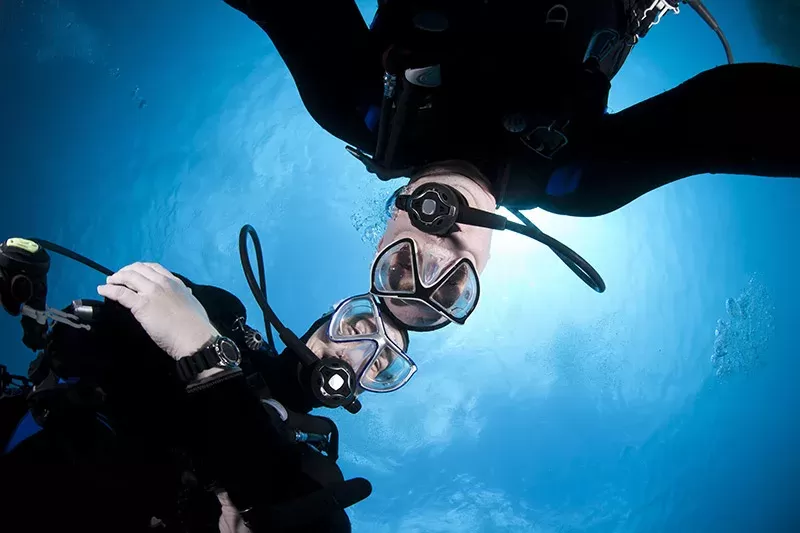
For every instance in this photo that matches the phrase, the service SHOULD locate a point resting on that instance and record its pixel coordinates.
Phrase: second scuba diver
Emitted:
(504, 103)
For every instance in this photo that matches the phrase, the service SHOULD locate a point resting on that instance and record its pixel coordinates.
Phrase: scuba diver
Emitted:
(483, 104)
(160, 407)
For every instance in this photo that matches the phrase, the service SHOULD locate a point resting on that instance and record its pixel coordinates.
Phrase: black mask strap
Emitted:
(436, 209)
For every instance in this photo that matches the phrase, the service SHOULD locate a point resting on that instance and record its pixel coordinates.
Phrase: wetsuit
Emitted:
(508, 73)
(145, 451)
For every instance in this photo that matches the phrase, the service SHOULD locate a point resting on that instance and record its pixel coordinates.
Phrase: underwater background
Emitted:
(153, 130)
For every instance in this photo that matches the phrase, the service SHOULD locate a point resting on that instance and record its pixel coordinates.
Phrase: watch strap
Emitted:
(204, 359)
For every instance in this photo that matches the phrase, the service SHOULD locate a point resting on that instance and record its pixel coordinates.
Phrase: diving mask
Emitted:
(421, 291)
(373, 346)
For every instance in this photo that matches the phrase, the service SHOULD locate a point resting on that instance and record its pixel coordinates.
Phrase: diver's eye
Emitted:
(357, 326)
(348, 329)
(452, 289)
(400, 270)
(381, 364)
(404, 259)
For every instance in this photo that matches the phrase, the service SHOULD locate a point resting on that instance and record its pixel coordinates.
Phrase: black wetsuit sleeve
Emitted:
(236, 442)
(328, 49)
(736, 119)
(237, 445)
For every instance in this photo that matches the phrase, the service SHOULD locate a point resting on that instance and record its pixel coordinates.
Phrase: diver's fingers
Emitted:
(163, 271)
(146, 271)
(122, 295)
(131, 277)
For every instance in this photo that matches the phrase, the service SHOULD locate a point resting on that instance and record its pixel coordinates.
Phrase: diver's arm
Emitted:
(327, 47)
(227, 429)
(733, 119)
(235, 442)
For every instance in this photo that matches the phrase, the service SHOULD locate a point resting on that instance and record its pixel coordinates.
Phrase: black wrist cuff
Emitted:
(203, 384)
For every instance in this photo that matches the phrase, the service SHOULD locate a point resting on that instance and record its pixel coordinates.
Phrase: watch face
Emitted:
(229, 352)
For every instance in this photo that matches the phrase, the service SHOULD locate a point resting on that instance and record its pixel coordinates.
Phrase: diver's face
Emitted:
(353, 352)
(436, 254)
(425, 291)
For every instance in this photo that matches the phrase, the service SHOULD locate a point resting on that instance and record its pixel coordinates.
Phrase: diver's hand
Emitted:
(163, 305)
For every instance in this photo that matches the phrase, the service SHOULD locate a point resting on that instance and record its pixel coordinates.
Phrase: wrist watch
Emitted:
(219, 352)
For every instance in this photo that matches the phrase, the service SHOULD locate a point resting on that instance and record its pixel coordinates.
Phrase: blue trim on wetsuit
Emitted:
(103, 420)
(374, 19)
(564, 180)
(372, 117)
(26, 429)
(373, 114)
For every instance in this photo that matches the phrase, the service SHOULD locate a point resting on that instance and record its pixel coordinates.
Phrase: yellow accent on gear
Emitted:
(23, 244)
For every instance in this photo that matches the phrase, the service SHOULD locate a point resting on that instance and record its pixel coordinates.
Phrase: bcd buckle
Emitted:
(547, 140)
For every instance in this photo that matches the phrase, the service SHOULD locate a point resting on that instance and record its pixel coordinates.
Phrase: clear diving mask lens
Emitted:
(370, 344)
(422, 292)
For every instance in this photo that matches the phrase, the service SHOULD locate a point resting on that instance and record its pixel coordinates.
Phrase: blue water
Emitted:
(154, 130)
